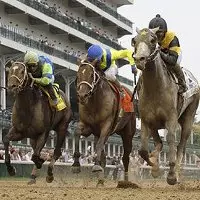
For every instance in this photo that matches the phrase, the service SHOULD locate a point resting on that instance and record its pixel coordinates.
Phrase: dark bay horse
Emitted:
(98, 110)
(32, 117)
(159, 104)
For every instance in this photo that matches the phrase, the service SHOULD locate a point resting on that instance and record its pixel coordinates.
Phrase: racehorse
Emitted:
(98, 112)
(160, 106)
(34, 118)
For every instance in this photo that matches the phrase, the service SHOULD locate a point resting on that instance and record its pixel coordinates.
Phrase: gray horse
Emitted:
(159, 105)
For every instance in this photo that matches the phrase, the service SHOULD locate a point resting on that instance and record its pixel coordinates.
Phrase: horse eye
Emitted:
(153, 41)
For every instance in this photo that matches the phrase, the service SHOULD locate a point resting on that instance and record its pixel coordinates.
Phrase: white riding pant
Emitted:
(111, 72)
(179, 58)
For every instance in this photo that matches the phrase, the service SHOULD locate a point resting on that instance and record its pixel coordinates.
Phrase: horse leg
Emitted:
(100, 147)
(35, 170)
(81, 129)
(127, 137)
(39, 144)
(61, 134)
(186, 122)
(12, 135)
(155, 171)
(144, 143)
(171, 127)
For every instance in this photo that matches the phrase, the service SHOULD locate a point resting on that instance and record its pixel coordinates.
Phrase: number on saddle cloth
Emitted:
(44, 59)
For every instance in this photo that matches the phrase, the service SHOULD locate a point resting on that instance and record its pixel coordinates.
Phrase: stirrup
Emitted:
(122, 93)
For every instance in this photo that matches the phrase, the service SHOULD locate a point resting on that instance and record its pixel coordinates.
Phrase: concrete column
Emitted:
(52, 142)
(108, 149)
(119, 150)
(86, 146)
(68, 81)
(190, 159)
(66, 143)
(192, 137)
(165, 157)
(92, 147)
(80, 145)
(114, 150)
(28, 141)
(73, 144)
(2, 90)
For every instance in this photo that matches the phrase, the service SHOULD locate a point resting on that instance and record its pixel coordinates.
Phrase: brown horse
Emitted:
(33, 117)
(98, 111)
(160, 106)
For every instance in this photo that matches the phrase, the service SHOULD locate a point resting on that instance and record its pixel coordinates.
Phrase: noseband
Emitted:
(96, 79)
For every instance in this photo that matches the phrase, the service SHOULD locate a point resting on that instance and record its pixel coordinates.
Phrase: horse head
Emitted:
(88, 76)
(17, 77)
(145, 44)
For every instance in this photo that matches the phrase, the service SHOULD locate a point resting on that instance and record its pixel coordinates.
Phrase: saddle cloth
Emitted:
(124, 102)
(61, 103)
(193, 88)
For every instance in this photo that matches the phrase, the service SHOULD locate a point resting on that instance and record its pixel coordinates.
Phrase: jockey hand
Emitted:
(134, 69)
(31, 76)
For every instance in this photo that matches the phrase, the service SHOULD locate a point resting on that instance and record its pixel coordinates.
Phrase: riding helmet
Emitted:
(95, 52)
(158, 21)
(31, 58)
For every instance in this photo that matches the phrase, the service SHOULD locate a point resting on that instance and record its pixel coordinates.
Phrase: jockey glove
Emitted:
(170, 58)
(134, 69)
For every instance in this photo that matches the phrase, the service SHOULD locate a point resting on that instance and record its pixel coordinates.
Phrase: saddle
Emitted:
(61, 102)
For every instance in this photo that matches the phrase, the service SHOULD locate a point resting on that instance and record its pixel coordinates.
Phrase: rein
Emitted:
(96, 79)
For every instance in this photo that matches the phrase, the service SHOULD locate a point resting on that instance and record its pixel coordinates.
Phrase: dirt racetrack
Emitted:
(78, 189)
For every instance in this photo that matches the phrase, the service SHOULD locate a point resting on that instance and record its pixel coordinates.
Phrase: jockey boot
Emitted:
(181, 78)
(52, 94)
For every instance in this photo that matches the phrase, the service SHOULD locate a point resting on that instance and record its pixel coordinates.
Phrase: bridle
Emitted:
(92, 85)
(22, 80)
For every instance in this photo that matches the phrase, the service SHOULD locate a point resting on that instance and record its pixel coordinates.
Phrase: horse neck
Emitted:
(25, 100)
(155, 77)
(97, 99)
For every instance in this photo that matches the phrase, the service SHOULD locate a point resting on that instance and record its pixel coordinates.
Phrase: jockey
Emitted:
(41, 71)
(107, 58)
(170, 49)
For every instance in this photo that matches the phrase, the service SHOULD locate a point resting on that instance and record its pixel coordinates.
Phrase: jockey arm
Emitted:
(174, 50)
(123, 54)
(47, 75)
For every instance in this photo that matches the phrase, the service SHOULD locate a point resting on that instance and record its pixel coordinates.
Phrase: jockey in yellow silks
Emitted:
(170, 50)
(107, 58)
(42, 70)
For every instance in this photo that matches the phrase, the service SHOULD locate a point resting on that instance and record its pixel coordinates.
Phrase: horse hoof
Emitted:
(11, 171)
(31, 182)
(171, 180)
(155, 172)
(49, 179)
(100, 183)
(97, 168)
(76, 169)
(127, 184)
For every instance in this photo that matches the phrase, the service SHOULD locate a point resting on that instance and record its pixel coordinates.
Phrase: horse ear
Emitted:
(137, 30)
(94, 62)
(154, 30)
(8, 65)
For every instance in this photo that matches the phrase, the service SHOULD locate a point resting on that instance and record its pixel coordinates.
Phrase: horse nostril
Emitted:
(142, 59)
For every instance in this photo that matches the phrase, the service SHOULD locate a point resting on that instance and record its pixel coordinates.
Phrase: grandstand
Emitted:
(62, 30)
